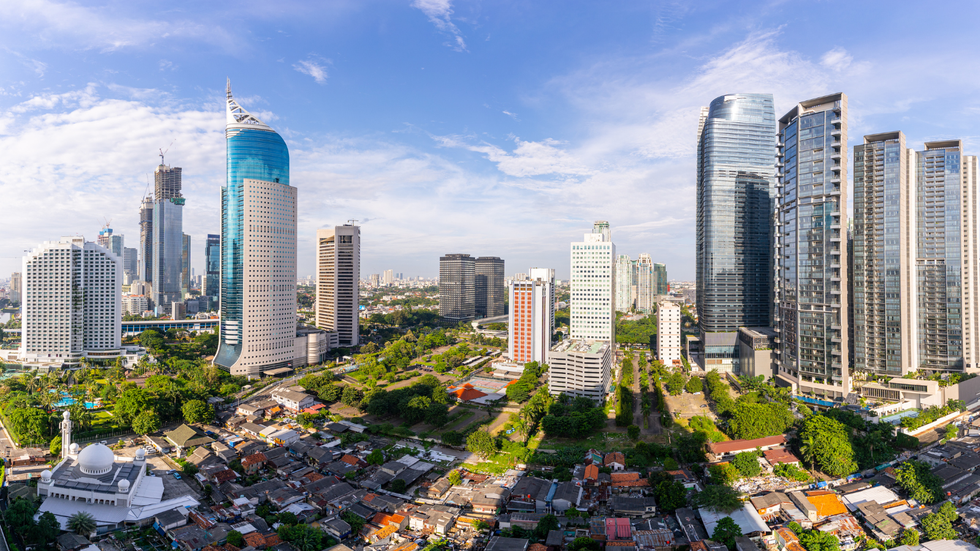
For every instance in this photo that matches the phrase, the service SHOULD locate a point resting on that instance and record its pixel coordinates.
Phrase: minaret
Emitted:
(65, 435)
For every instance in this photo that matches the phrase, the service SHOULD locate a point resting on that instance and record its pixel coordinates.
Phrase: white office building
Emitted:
(72, 303)
(668, 332)
(624, 283)
(580, 368)
(338, 270)
(135, 304)
(389, 277)
(532, 321)
(593, 286)
(646, 284)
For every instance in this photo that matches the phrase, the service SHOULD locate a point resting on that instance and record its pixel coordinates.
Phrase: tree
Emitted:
(481, 443)
(754, 420)
(726, 531)
(82, 523)
(909, 537)
(481, 526)
(584, 543)
(723, 473)
(828, 445)
(675, 384)
(719, 496)
(747, 464)
(452, 438)
(376, 457)
(197, 411)
(546, 524)
(398, 486)
(356, 522)
(55, 447)
(938, 527)
(949, 511)
(302, 536)
(455, 478)
(147, 422)
(817, 540)
(694, 384)
(236, 539)
(917, 479)
(952, 431)
(47, 529)
(670, 495)
(633, 432)
(131, 403)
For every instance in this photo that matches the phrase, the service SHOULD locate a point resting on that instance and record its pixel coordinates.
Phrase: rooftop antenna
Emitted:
(162, 152)
(352, 222)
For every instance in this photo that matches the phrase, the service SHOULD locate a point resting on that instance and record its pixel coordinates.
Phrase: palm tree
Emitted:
(808, 449)
(81, 523)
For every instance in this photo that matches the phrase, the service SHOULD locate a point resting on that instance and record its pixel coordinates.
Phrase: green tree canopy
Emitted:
(917, 479)
(754, 420)
(726, 531)
(694, 384)
(82, 523)
(676, 382)
(146, 422)
(825, 442)
(747, 464)
(719, 496)
(197, 411)
(938, 527)
(481, 443)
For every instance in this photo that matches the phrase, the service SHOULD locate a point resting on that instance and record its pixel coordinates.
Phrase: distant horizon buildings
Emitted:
(258, 249)
(338, 269)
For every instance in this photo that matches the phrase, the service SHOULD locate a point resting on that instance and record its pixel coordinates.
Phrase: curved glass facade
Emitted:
(735, 193)
(252, 153)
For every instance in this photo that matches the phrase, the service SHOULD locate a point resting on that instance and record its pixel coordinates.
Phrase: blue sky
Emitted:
(493, 128)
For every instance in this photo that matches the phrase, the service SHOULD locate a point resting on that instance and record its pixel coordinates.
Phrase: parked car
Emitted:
(177, 475)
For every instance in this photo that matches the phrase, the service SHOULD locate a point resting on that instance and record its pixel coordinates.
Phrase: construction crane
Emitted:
(164, 152)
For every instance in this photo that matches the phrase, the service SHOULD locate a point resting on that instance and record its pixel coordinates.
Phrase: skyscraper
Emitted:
(258, 248)
(946, 258)
(338, 271)
(593, 286)
(811, 224)
(736, 175)
(15, 287)
(185, 266)
(105, 237)
(168, 246)
(883, 268)
(645, 284)
(531, 322)
(146, 240)
(490, 283)
(660, 272)
(624, 283)
(389, 277)
(668, 332)
(457, 286)
(130, 264)
(212, 267)
(72, 303)
(116, 245)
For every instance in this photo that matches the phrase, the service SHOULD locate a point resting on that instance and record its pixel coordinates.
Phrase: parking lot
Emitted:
(160, 468)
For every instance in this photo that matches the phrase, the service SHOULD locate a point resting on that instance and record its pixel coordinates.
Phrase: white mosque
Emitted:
(115, 490)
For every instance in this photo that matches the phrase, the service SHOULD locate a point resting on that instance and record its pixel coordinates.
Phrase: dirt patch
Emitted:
(688, 405)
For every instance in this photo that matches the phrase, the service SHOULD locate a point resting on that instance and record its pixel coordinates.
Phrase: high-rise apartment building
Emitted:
(811, 276)
(389, 277)
(736, 172)
(375, 280)
(72, 303)
(660, 273)
(145, 272)
(457, 286)
(625, 298)
(593, 286)
(645, 284)
(946, 258)
(668, 332)
(491, 287)
(185, 266)
(531, 316)
(338, 270)
(16, 287)
(212, 270)
(883, 245)
(258, 249)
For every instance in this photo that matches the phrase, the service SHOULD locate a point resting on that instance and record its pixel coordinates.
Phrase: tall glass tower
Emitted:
(212, 266)
(811, 319)
(735, 191)
(258, 248)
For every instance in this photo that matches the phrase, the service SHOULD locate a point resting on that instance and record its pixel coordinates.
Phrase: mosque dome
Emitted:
(73, 449)
(96, 459)
(140, 454)
(124, 486)
(46, 475)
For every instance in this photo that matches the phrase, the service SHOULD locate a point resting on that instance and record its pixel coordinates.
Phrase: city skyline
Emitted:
(590, 151)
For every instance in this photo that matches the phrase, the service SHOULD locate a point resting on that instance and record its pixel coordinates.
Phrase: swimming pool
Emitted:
(66, 400)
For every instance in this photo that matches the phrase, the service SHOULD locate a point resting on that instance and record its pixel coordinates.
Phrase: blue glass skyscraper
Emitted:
(258, 248)
(735, 190)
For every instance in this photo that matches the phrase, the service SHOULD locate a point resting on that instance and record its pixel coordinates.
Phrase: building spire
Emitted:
(236, 115)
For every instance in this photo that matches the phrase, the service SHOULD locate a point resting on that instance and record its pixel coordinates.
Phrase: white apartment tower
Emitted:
(593, 286)
(338, 271)
(580, 369)
(646, 284)
(668, 332)
(389, 277)
(532, 321)
(624, 283)
(72, 303)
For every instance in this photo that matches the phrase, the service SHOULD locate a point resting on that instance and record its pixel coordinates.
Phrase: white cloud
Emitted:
(440, 14)
(166, 65)
(312, 68)
(836, 59)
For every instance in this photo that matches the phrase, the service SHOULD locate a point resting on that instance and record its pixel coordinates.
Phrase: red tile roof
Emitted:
(614, 457)
(592, 472)
(631, 483)
(780, 455)
(254, 539)
(349, 459)
(466, 394)
(624, 477)
(253, 459)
